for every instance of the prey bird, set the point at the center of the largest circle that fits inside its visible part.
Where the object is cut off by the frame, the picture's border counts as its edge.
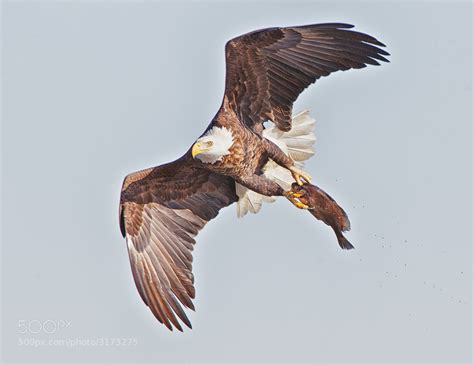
(236, 159)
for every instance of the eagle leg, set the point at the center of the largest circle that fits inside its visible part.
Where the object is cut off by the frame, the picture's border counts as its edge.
(277, 155)
(264, 186)
(261, 184)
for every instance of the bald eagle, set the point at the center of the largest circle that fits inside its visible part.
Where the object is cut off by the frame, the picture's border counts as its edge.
(236, 159)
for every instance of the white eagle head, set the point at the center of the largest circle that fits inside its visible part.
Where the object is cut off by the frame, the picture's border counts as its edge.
(213, 146)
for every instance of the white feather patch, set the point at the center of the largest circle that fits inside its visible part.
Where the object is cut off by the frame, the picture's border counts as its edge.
(296, 143)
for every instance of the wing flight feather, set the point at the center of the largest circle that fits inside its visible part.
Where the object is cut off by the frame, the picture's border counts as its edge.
(267, 69)
(161, 211)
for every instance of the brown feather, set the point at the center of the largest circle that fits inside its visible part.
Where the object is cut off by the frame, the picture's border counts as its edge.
(267, 69)
(161, 211)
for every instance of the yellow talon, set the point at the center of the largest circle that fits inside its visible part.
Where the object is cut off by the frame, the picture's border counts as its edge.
(300, 176)
(300, 205)
(293, 198)
(294, 195)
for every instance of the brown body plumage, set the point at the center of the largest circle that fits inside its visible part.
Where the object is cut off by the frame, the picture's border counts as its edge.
(163, 208)
(242, 160)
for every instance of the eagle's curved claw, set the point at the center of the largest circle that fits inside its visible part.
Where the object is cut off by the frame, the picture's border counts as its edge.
(293, 198)
(300, 176)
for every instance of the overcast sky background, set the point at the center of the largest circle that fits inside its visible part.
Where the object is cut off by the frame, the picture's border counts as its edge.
(95, 90)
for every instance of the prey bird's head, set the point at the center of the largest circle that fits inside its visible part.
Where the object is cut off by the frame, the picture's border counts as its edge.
(213, 146)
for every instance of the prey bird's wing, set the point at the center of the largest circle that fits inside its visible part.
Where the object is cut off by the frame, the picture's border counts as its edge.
(161, 210)
(267, 69)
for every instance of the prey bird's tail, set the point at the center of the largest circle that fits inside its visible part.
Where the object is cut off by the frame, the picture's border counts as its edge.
(343, 241)
(296, 143)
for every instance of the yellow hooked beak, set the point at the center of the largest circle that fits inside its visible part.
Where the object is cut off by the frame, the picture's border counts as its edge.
(198, 149)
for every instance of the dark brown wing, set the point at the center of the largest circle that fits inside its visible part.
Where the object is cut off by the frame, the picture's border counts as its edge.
(268, 69)
(161, 210)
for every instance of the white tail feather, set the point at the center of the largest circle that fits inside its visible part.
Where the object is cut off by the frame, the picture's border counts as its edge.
(296, 143)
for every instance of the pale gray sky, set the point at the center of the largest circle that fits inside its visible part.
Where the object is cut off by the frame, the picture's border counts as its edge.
(95, 90)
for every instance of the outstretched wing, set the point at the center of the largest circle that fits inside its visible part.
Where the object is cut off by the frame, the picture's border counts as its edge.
(161, 210)
(268, 69)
